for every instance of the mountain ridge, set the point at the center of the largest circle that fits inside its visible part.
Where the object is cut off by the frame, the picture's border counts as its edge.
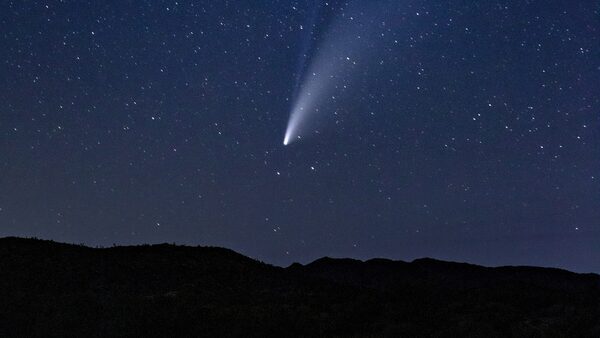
(58, 289)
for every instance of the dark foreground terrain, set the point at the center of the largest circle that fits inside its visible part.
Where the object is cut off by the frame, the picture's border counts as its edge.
(52, 289)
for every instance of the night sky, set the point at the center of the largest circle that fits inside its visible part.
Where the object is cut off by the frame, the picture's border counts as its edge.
(459, 130)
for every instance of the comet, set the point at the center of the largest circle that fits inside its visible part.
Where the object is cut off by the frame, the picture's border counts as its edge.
(331, 70)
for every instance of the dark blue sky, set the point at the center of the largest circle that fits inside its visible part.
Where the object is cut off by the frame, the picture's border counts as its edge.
(465, 130)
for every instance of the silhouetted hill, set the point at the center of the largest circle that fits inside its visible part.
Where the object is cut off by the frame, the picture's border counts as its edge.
(53, 289)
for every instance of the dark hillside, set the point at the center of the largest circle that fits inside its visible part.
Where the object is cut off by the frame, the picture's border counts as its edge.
(53, 289)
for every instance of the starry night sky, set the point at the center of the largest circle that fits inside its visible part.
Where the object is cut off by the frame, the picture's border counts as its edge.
(465, 130)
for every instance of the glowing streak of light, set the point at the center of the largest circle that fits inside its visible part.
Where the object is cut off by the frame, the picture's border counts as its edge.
(347, 37)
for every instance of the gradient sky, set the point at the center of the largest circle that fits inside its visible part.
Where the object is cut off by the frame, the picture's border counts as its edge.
(466, 131)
